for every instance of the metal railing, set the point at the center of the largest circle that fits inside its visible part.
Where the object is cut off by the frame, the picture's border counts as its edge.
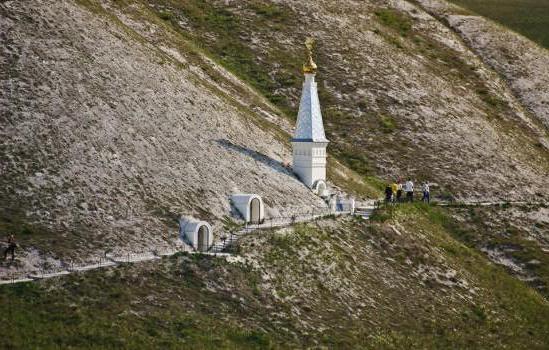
(270, 223)
(113, 259)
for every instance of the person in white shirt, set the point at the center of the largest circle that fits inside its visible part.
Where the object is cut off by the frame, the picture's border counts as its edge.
(426, 194)
(409, 189)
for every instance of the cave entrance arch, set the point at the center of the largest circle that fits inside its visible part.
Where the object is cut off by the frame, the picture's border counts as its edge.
(255, 211)
(203, 238)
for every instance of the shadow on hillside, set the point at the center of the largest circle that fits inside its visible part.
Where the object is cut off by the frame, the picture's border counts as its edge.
(260, 157)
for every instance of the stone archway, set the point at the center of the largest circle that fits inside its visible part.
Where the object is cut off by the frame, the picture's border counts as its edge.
(255, 211)
(203, 238)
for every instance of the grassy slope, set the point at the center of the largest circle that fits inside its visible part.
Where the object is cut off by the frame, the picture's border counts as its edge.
(347, 285)
(528, 17)
(513, 231)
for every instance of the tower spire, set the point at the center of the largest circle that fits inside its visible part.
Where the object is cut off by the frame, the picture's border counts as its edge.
(309, 125)
(309, 141)
(310, 65)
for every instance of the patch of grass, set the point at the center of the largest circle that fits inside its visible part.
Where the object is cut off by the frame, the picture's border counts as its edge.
(489, 227)
(491, 99)
(192, 301)
(395, 20)
(116, 309)
(382, 214)
(270, 11)
(528, 17)
(388, 124)
(376, 183)
(14, 221)
(352, 182)
(359, 162)
(166, 15)
(208, 18)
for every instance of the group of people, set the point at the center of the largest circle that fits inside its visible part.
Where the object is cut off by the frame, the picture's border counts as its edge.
(395, 190)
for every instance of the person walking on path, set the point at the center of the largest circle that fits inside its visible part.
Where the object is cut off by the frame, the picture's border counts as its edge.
(339, 201)
(388, 194)
(11, 248)
(409, 189)
(426, 194)
(399, 191)
(394, 188)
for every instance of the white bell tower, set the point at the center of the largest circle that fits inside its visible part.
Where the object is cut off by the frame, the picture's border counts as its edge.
(309, 141)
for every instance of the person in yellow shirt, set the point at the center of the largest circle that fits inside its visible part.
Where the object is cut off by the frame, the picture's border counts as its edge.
(394, 188)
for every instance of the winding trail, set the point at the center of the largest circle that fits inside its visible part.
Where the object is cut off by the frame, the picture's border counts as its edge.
(220, 246)
(217, 249)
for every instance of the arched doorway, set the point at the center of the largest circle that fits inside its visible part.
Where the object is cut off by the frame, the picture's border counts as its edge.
(203, 238)
(255, 211)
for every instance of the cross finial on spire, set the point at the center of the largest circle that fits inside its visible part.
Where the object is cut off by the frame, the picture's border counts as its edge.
(310, 66)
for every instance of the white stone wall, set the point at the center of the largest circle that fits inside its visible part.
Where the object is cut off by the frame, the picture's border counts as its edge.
(188, 231)
(309, 161)
(242, 203)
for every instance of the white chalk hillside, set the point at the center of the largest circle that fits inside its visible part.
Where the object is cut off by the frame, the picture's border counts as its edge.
(113, 124)
(106, 140)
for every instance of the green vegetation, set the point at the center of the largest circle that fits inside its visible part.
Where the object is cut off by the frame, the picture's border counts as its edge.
(523, 307)
(165, 15)
(269, 10)
(14, 221)
(230, 44)
(388, 124)
(124, 308)
(355, 283)
(354, 182)
(398, 23)
(395, 20)
(491, 227)
(491, 99)
(356, 161)
(528, 17)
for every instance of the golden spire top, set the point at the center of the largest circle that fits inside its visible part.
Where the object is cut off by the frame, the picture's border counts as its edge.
(310, 66)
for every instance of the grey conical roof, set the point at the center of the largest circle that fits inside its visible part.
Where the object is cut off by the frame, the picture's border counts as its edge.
(309, 127)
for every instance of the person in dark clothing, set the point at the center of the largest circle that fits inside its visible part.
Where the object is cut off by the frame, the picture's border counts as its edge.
(426, 193)
(388, 194)
(11, 248)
